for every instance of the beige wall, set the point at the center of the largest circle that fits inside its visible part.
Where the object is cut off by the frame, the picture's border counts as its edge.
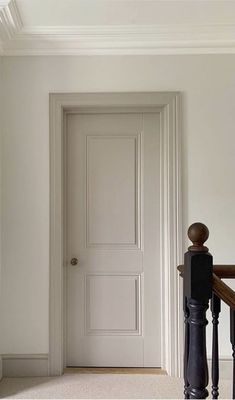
(1, 98)
(207, 84)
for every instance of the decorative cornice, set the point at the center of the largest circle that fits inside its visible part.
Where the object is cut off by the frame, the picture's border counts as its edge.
(15, 39)
(164, 30)
(4, 3)
(10, 22)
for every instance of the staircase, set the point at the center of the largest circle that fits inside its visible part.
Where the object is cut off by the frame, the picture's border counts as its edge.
(203, 287)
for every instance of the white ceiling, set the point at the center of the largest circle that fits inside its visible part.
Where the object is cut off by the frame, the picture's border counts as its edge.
(117, 26)
(121, 12)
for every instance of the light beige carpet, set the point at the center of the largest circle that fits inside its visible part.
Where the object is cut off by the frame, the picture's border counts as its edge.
(98, 386)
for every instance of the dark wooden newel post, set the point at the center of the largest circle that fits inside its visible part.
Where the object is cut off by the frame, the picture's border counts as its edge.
(198, 291)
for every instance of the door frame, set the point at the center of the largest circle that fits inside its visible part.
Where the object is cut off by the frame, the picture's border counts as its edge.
(167, 104)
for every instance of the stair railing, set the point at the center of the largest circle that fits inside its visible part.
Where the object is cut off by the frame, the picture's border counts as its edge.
(202, 285)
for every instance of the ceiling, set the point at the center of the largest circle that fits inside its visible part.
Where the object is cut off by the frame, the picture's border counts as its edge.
(51, 27)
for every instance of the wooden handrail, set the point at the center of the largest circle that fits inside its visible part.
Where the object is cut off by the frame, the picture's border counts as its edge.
(223, 291)
(224, 271)
(181, 270)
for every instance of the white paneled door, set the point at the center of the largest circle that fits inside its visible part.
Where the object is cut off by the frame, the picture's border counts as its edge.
(113, 211)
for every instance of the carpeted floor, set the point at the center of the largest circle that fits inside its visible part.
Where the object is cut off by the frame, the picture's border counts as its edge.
(98, 386)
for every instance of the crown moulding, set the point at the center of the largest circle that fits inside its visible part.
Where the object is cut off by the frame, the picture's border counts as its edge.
(10, 21)
(15, 39)
(4, 3)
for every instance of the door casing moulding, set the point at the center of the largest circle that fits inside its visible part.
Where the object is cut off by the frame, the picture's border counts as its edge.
(168, 105)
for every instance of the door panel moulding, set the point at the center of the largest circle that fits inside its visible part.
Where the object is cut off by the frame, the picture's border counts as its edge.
(168, 104)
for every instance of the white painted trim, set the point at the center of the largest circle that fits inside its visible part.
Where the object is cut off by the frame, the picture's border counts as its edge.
(138, 51)
(171, 237)
(171, 214)
(10, 21)
(4, 3)
(24, 365)
(39, 356)
(123, 39)
(17, 39)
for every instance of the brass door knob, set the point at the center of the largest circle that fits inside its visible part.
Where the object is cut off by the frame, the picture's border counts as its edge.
(74, 261)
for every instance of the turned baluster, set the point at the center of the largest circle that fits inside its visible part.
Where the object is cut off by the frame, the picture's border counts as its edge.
(198, 290)
(215, 309)
(232, 340)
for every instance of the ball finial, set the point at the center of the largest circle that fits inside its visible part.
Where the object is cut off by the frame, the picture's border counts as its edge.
(198, 233)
